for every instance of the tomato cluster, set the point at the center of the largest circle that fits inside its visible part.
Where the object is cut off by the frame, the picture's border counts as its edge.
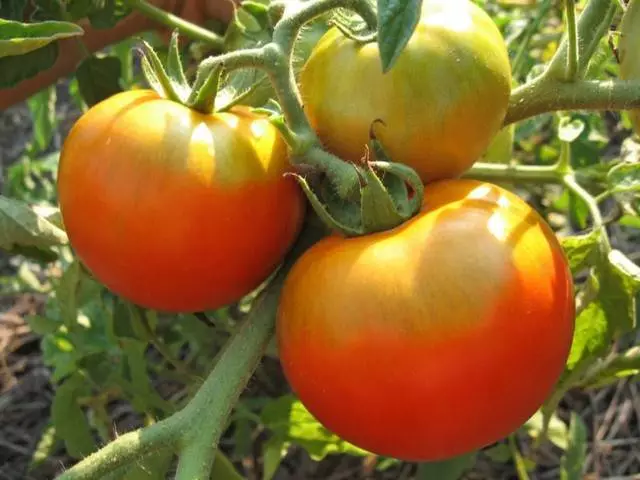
(422, 342)
(444, 334)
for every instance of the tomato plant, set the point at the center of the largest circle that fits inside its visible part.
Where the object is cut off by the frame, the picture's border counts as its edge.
(174, 209)
(417, 342)
(627, 48)
(426, 320)
(441, 102)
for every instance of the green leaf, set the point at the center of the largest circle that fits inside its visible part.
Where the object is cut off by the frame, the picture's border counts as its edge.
(17, 38)
(107, 13)
(620, 366)
(273, 451)
(557, 431)
(42, 325)
(612, 311)
(291, 422)
(16, 68)
(20, 225)
(45, 447)
(570, 129)
(69, 420)
(124, 321)
(581, 250)
(624, 178)
(592, 336)
(12, 9)
(572, 463)
(619, 282)
(98, 78)
(499, 453)
(67, 294)
(451, 469)
(397, 20)
(42, 106)
(223, 469)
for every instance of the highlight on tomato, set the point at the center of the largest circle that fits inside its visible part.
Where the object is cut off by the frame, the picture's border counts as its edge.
(435, 338)
(174, 209)
(442, 102)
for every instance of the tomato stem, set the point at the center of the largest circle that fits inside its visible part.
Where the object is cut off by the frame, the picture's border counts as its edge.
(543, 95)
(572, 38)
(185, 27)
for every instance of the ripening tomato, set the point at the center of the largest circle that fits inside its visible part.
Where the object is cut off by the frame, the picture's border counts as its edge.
(437, 337)
(173, 209)
(442, 102)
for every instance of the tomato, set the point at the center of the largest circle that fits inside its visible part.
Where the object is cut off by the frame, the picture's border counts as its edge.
(628, 52)
(173, 209)
(442, 102)
(437, 337)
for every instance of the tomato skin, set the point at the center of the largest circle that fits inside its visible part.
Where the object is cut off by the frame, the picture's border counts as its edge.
(435, 338)
(442, 102)
(173, 209)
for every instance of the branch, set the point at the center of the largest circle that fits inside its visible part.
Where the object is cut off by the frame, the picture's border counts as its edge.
(544, 95)
(173, 21)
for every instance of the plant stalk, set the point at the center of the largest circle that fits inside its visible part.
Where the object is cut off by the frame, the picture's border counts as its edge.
(173, 21)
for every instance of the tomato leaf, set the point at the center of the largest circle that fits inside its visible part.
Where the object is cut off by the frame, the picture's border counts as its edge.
(273, 451)
(20, 225)
(223, 469)
(42, 106)
(17, 38)
(397, 20)
(16, 68)
(67, 294)
(451, 469)
(292, 423)
(99, 78)
(107, 13)
(611, 312)
(12, 10)
(573, 460)
(557, 431)
(624, 179)
(45, 447)
(69, 420)
(581, 250)
(570, 129)
(42, 325)
(619, 282)
(620, 366)
(591, 337)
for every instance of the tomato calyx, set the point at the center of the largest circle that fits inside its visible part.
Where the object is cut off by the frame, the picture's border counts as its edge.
(389, 194)
(171, 82)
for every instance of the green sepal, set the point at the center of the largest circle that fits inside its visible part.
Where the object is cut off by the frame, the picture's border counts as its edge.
(207, 81)
(321, 209)
(175, 70)
(156, 75)
(378, 209)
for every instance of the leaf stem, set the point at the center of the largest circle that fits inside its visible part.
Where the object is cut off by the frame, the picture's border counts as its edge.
(572, 37)
(173, 21)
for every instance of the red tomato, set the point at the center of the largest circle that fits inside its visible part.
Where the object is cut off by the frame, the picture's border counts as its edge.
(174, 209)
(435, 338)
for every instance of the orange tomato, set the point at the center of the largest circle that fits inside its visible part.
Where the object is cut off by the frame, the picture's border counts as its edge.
(173, 209)
(435, 338)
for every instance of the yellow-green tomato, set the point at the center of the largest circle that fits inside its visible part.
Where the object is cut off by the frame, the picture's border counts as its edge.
(442, 101)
